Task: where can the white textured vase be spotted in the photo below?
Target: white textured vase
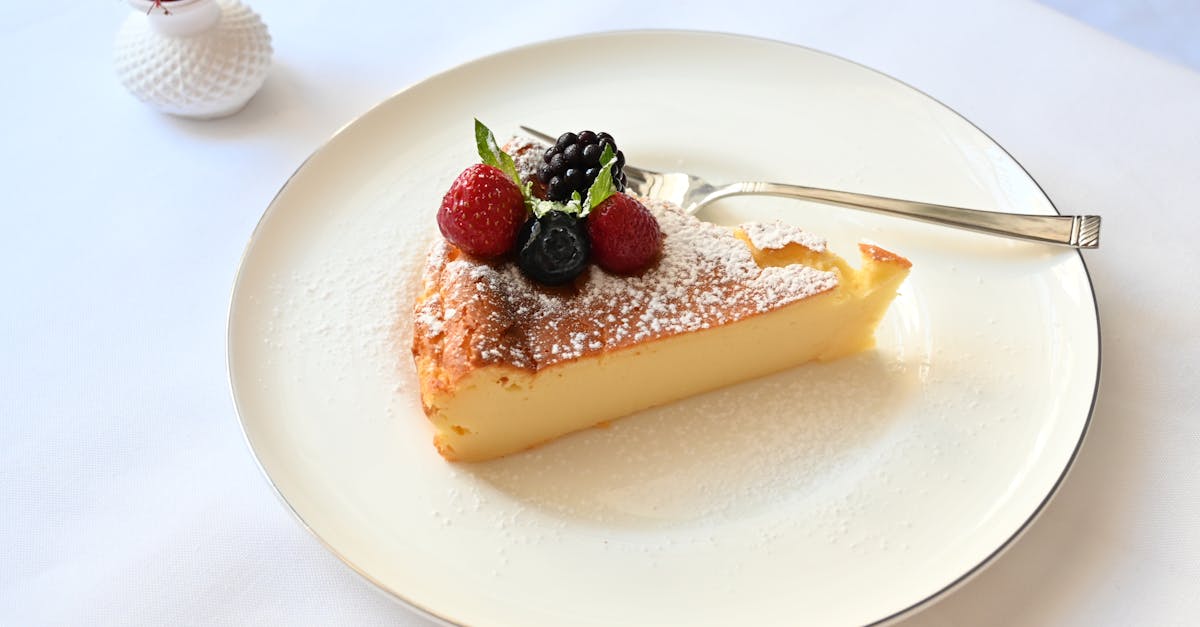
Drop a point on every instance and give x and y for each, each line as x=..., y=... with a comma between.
x=193, y=58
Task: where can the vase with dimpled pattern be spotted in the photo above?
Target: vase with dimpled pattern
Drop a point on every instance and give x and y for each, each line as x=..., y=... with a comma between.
x=193, y=58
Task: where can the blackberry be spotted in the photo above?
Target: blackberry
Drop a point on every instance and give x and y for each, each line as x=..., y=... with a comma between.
x=553, y=249
x=572, y=163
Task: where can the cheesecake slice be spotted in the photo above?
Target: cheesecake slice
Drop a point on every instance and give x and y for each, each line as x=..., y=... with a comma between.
x=506, y=364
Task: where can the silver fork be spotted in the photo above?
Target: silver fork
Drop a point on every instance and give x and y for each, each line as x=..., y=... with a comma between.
x=693, y=193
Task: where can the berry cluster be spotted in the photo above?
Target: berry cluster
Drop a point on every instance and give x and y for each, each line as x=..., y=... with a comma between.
x=573, y=162
x=487, y=212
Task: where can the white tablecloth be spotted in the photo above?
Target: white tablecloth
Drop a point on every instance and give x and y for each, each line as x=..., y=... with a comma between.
x=127, y=495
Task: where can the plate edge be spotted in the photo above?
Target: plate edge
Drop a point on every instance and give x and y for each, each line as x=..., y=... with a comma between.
x=425, y=612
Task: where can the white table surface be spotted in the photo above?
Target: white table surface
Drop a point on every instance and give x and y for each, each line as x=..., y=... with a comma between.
x=127, y=494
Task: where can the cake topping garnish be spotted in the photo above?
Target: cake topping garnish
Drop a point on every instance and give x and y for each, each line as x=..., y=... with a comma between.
x=486, y=212
x=625, y=236
x=553, y=249
x=482, y=211
x=575, y=160
x=491, y=154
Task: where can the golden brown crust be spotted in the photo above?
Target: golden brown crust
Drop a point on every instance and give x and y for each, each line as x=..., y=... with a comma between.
x=445, y=346
x=883, y=255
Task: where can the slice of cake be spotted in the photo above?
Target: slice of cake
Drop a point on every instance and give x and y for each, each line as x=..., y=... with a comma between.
x=506, y=362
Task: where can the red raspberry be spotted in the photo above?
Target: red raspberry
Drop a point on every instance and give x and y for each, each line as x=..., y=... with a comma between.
x=482, y=212
x=624, y=235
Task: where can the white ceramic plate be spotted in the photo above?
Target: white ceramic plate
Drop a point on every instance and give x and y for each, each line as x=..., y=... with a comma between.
x=845, y=493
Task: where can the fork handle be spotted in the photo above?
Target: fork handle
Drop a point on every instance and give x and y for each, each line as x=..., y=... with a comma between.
x=1073, y=231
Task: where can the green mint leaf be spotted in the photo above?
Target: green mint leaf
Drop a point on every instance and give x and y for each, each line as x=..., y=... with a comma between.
x=541, y=207
x=575, y=205
x=490, y=153
x=603, y=186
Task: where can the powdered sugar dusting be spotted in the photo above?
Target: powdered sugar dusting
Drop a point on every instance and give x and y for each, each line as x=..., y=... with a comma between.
x=346, y=308
x=777, y=235
x=526, y=153
x=706, y=277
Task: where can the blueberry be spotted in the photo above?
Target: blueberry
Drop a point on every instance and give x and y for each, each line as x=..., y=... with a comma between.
x=553, y=249
x=586, y=137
